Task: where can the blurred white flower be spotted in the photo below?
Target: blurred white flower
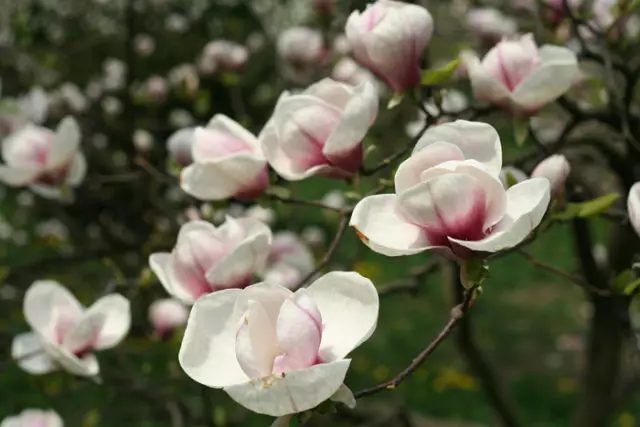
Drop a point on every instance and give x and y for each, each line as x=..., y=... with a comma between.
x=166, y=315
x=144, y=44
x=33, y=418
x=142, y=140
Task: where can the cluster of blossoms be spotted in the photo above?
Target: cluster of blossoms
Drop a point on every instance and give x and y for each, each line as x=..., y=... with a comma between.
x=254, y=326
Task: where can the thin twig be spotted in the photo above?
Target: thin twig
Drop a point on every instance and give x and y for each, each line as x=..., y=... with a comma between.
x=315, y=203
x=412, y=282
x=457, y=313
x=344, y=220
x=563, y=274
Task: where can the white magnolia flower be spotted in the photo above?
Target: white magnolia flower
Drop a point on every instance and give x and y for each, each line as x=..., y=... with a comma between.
x=277, y=352
x=388, y=38
x=43, y=159
x=179, y=145
x=449, y=198
x=167, y=314
x=207, y=259
x=490, y=24
x=633, y=207
x=223, y=55
x=290, y=260
x=33, y=418
x=320, y=131
x=519, y=76
x=227, y=162
x=301, y=46
x=65, y=334
x=556, y=169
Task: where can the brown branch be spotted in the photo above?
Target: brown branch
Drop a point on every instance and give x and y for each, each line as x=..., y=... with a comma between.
x=478, y=363
x=563, y=274
x=412, y=282
x=342, y=227
x=457, y=313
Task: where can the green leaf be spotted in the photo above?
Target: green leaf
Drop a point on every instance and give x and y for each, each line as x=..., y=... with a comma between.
x=597, y=206
x=631, y=287
x=520, y=130
x=230, y=79
x=587, y=209
x=473, y=272
x=626, y=282
x=440, y=75
x=395, y=100
x=511, y=179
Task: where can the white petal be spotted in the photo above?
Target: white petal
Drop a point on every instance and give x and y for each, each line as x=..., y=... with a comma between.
x=27, y=350
x=356, y=119
x=246, y=259
x=332, y=92
x=47, y=191
x=349, y=306
x=527, y=203
x=633, y=206
x=50, y=309
x=270, y=295
x=77, y=170
x=85, y=367
x=18, y=176
x=477, y=141
x=379, y=226
x=65, y=143
x=549, y=81
x=256, y=344
x=345, y=396
x=115, y=310
x=298, y=330
x=162, y=265
x=207, y=353
x=223, y=178
x=432, y=154
x=292, y=392
x=225, y=124
x=485, y=87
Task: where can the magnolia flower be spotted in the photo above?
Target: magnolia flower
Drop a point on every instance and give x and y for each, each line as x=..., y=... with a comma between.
x=34, y=105
x=510, y=176
x=320, y=131
x=301, y=46
x=179, y=145
x=142, y=140
x=556, y=169
x=490, y=25
x=388, y=38
x=33, y=418
x=167, y=314
x=44, y=160
x=604, y=16
x=277, y=352
x=290, y=260
x=207, y=259
x=633, y=206
x=518, y=76
x=223, y=55
x=228, y=162
x=65, y=334
x=449, y=198
x=266, y=215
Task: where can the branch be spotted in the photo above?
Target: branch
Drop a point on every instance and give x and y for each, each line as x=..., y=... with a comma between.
x=315, y=203
x=344, y=220
x=478, y=363
x=412, y=282
x=457, y=313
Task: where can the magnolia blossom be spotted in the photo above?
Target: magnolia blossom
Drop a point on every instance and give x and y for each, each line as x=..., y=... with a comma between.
x=320, y=131
x=556, y=169
x=33, y=418
x=179, y=145
x=518, y=76
x=43, y=159
x=290, y=260
x=207, y=259
x=490, y=24
x=223, y=55
x=604, y=17
x=633, y=206
x=278, y=352
x=34, y=105
x=510, y=176
x=65, y=334
x=449, y=198
x=301, y=46
x=167, y=314
x=228, y=162
x=388, y=38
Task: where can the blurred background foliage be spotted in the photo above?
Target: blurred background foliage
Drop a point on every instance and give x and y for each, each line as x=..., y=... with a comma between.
x=529, y=325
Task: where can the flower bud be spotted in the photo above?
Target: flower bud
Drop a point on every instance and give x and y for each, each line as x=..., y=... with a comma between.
x=388, y=38
x=556, y=169
x=166, y=315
